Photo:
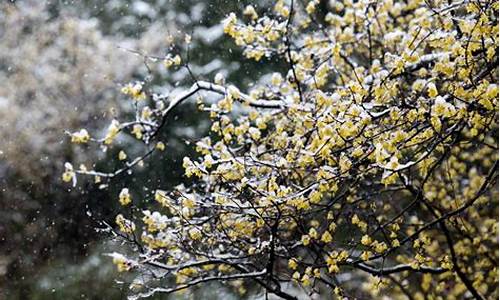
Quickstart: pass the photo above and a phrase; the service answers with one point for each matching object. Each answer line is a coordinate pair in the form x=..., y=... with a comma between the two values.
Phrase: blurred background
x=61, y=66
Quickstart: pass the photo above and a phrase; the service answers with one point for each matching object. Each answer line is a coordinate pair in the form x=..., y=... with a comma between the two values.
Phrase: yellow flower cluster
x=135, y=91
x=80, y=137
x=154, y=221
x=69, y=173
x=125, y=198
x=170, y=61
x=369, y=154
x=121, y=262
x=124, y=225
x=113, y=130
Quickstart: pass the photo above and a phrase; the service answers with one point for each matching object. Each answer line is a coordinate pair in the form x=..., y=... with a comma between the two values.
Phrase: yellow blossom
x=80, y=137
x=125, y=197
x=326, y=237
x=432, y=90
x=122, y=155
